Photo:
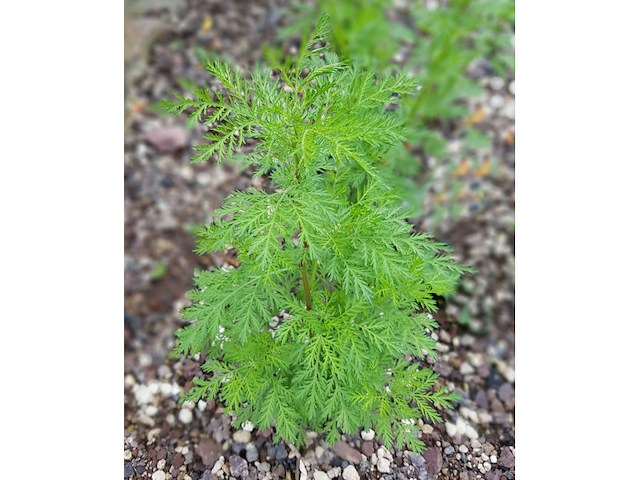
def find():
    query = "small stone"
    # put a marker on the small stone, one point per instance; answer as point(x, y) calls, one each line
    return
point(367, 449)
point(427, 429)
point(451, 429)
point(512, 88)
point(281, 452)
point(151, 410)
point(303, 471)
point(127, 454)
point(334, 472)
point(145, 360)
point(506, 458)
point(496, 101)
point(496, 83)
point(202, 405)
point(161, 464)
point(461, 426)
point(383, 452)
point(466, 369)
point(185, 416)
point(475, 443)
point(485, 417)
point(142, 394)
point(247, 426)
point(209, 450)
point(471, 432)
point(167, 139)
point(166, 389)
point(251, 453)
point(493, 459)
point(264, 467)
point(368, 435)
point(350, 473)
point(433, 460)
point(506, 392)
point(158, 475)
point(346, 451)
point(383, 465)
point(242, 436)
point(319, 451)
point(318, 475)
point(463, 449)
point(238, 467)
point(448, 450)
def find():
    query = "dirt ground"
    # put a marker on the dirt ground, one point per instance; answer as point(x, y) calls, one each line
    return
point(165, 195)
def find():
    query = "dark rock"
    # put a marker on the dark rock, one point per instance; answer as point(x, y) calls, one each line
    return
point(161, 453)
point(238, 467)
point(367, 448)
point(506, 458)
point(433, 460)
point(209, 451)
point(251, 453)
point(481, 400)
point(419, 464)
point(346, 451)
point(278, 471)
point(238, 448)
point(281, 452)
point(128, 470)
point(206, 475)
point(178, 460)
point(506, 392)
point(167, 139)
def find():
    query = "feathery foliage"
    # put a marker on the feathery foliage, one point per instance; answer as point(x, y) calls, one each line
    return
point(318, 325)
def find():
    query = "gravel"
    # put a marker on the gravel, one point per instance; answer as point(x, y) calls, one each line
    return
point(350, 473)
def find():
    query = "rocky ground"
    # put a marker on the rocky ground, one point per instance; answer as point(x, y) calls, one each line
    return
point(165, 196)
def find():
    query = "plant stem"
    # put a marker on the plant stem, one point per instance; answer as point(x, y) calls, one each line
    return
point(305, 285)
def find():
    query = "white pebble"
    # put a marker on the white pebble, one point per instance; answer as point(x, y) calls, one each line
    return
point(475, 443)
point(318, 475)
point(129, 381)
point(185, 416)
point(466, 369)
point(496, 101)
point(471, 433)
point(350, 473)
point(485, 417)
point(154, 387)
point(218, 465)
point(451, 429)
point(303, 471)
point(496, 83)
point(158, 475)
point(383, 465)
point(484, 457)
point(142, 393)
point(161, 464)
point(461, 426)
point(319, 452)
point(166, 389)
point(512, 88)
point(145, 360)
point(368, 435)
point(202, 405)
point(463, 449)
point(334, 472)
point(383, 452)
point(427, 429)
point(493, 459)
point(248, 426)
point(151, 410)
point(127, 454)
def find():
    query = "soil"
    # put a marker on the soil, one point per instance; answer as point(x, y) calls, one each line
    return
point(165, 196)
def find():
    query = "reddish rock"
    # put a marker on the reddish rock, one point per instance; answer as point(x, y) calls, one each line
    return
point(209, 451)
point(167, 139)
point(367, 448)
point(433, 460)
point(506, 458)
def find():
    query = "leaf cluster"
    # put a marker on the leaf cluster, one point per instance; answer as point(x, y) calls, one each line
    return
point(331, 299)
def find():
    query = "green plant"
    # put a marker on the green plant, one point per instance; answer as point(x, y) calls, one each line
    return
point(441, 42)
point(321, 324)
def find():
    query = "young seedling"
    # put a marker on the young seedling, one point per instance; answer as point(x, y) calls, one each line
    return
point(324, 322)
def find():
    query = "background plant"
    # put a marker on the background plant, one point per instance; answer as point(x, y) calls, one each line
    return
point(321, 324)
point(437, 42)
